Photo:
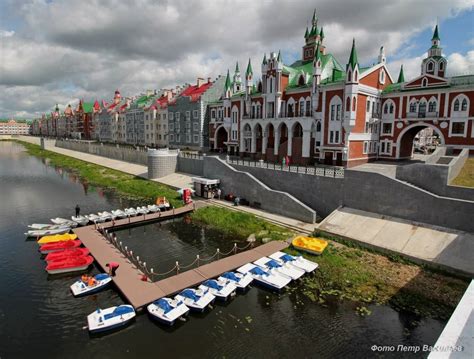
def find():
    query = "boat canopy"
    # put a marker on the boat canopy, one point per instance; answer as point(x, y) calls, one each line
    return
point(258, 271)
point(273, 264)
point(189, 293)
point(101, 276)
point(212, 284)
point(287, 258)
point(120, 310)
point(163, 304)
point(231, 275)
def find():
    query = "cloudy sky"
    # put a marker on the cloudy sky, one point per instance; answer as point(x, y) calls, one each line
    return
point(62, 50)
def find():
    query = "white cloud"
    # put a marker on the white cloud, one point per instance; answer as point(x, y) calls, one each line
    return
point(66, 49)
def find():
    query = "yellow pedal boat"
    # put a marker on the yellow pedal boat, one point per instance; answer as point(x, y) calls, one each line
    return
point(310, 244)
point(57, 238)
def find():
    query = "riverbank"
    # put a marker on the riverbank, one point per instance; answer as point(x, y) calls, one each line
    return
point(126, 185)
point(353, 273)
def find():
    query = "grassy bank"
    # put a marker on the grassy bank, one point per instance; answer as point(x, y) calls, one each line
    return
point(125, 184)
point(353, 273)
point(466, 176)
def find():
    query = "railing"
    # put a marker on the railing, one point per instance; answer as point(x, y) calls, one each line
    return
point(194, 156)
point(150, 273)
point(325, 171)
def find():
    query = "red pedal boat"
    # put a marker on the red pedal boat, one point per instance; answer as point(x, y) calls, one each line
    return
point(59, 246)
point(67, 265)
point(67, 253)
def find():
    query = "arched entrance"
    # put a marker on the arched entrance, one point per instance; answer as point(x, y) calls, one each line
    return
point(258, 133)
point(221, 137)
point(297, 143)
point(247, 139)
point(417, 137)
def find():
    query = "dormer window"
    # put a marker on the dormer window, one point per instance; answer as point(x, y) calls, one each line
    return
point(301, 80)
point(424, 82)
point(355, 75)
point(441, 66)
point(430, 66)
point(456, 105)
point(382, 77)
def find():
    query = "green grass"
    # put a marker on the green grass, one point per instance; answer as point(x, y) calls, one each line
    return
point(240, 224)
point(466, 176)
point(125, 184)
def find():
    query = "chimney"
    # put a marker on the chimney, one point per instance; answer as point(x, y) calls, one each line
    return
point(149, 92)
point(200, 82)
point(208, 80)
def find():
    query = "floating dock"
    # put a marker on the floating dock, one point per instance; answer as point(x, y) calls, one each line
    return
point(128, 278)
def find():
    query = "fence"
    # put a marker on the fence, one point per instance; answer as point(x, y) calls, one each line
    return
point(150, 273)
point(326, 171)
point(194, 156)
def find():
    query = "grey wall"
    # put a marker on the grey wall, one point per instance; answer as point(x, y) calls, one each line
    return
point(161, 163)
point(247, 186)
point(191, 166)
point(109, 151)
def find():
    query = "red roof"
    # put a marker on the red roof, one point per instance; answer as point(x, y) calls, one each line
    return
point(195, 92)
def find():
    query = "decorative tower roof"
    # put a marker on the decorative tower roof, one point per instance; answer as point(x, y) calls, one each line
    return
point(435, 34)
point(317, 54)
point(306, 34)
point(353, 57)
point(321, 33)
point(401, 75)
point(57, 108)
point(315, 19)
point(227, 82)
point(279, 56)
point(249, 71)
point(264, 62)
point(237, 67)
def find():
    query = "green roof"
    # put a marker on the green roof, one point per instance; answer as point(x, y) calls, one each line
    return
point(306, 33)
point(264, 62)
point(336, 76)
point(249, 69)
point(353, 56)
point(88, 107)
point(237, 67)
point(435, 34)
point(279, 56)
point(321, 33)
point(401, 75)
point(227, 82)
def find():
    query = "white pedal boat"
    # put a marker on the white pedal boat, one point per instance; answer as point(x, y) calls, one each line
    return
point(118, 213)
point(266, 279)
point(131, 212)
point(47, 232)
point(106, 216)
point(242, 281)
point(95, 218)
point(43, 226)
point(110, 318)
point(297, 261)
point(167, 310)
point(79, 288)
point(273, 266)
point(153, 208)
point(222, 290)
point(195, 299)
point(81, 220)
point(142, 210)
point(63, 222)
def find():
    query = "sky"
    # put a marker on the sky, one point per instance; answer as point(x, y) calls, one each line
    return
point(61, 51)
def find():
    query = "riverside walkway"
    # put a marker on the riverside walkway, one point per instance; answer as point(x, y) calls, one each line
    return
point(128, 278)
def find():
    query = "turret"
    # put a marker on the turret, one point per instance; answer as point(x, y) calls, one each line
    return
point(227, 86)
point(237, 84)
point(352, 67)
point(401, 76)
point(248, 78)
point(317, 67)
point(435, 64)
point(351, 88)
point(117, 97)
point(382, 59)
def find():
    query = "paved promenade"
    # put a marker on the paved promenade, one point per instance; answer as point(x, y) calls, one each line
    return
point(445, 248)
point(128, 278)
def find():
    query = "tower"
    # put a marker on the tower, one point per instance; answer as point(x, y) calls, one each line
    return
point(401, 76)
point(435, 64)
point(317, 70)
point(237, 83)
point(264, 73)
point(313, 38)
point(382, 59)
point(351, 87)
point(248, 79)
point(227, 86)
point(117, 97)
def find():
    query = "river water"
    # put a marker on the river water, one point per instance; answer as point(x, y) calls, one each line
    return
point(40, 318)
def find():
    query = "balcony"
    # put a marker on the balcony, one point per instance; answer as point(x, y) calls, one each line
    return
point(247, 134)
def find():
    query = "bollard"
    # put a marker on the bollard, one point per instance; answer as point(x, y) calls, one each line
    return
point(218, 253)
point(177, 267)
point(138, 259)
point(235, 248)
point(197, 257)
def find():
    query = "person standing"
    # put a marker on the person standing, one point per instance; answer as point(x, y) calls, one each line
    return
point(219, 193)
point(78, 210)
point(113, 266)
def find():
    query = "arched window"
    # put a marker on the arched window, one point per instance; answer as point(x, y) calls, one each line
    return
point(349, 75)
point(301, 104)
point(354, 104)
point(432, 106)
point(318, 126)
point(391, 108)
point(271, 85)
point(382, 77)
point(441, 66)
point(464, 105)
point(430, 66)
point(385, 108)
point(424, 82)
point(456, 105)
point(301, 80)
point(413, 106)
point(355, 76)
point(348, 104)
point(422, 109)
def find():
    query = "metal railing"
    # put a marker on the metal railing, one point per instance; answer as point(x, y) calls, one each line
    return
point(325, 171)
point(177, 268)
point(195, 156)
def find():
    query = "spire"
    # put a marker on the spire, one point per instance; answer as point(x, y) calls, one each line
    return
point(249, 69)
point(237, 67)
point(264, 62)
point(314, 17)
point(435, 34)
point(306, 33)
point(401, 75)
point(279, 56)
point(57, 108)
point(314, 31)
point(317, 54)
point(227, 81)
point(321, 33)
point(353, 57)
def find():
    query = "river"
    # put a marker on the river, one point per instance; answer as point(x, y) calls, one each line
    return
point(40, 318)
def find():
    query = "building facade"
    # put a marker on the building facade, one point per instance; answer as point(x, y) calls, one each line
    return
point(188, 118)
point(13, 127)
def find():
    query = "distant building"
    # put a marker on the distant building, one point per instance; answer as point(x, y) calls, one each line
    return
point(12, 127)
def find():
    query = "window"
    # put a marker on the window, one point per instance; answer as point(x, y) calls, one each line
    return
point(318, 126)
point(385, 109)
point(368, 106)
point(178, 138)
point(171, 138)
point(422, 109)
point(366, 145)
point(338, 112)
point(331, 136)
point(391, 108)
point(387, 128)
point(354, 104)
point(188, 116)
point(336, 137)
point(195, 126)
point(348, 104)
point(457, 128)
point(432, 106)
point(308, 108)
point(177, 116)
point(456, 105)
point(333, 112)
point(382, 77)
point(171, 126)
point(188, 138)
point(413, 106)
point(164, 117)
point(196, 138)
point(171, 116)
point(301, 108)
point(424, 82)
point(430, 66)
point(195, 114)
point(464, 105)
point(213, 114)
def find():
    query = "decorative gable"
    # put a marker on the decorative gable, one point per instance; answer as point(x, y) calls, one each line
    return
point(426, 81)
